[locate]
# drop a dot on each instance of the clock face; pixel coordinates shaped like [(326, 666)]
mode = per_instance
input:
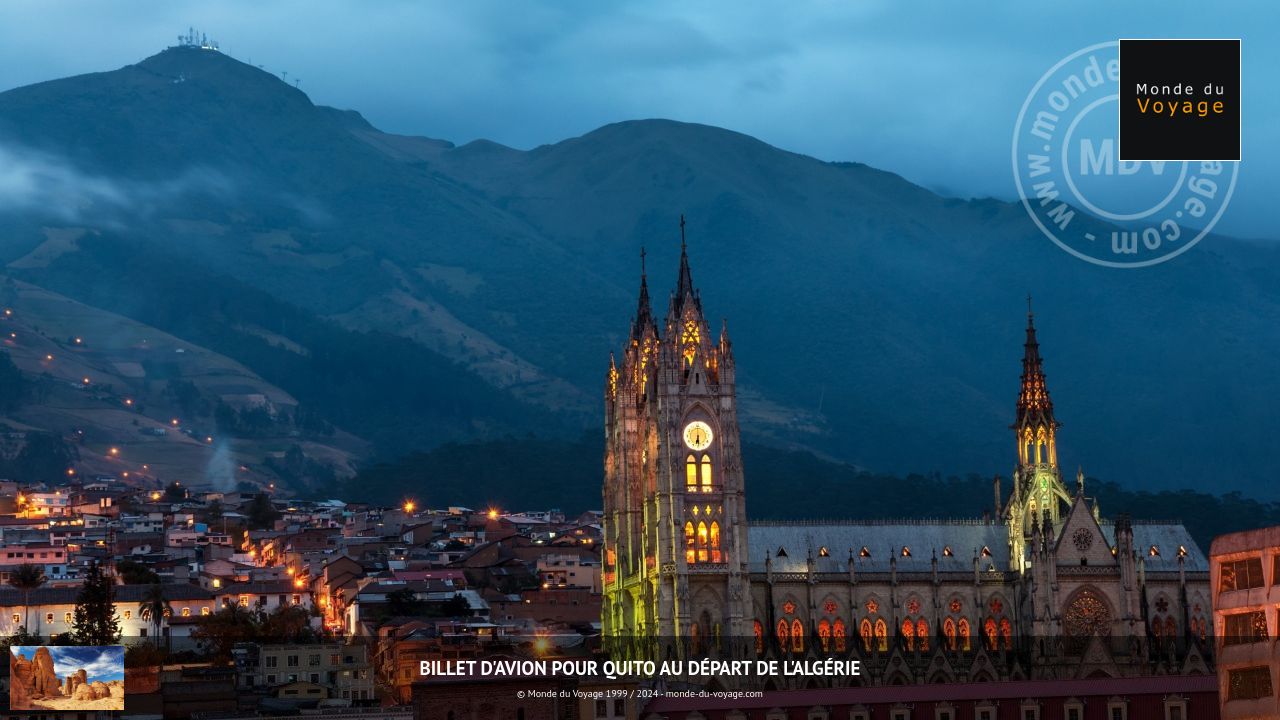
[(697, 435)]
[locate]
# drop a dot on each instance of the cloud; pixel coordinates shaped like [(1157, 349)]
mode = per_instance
[(37, 182)]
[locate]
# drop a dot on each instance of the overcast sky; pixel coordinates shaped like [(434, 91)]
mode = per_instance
[(926, 89)]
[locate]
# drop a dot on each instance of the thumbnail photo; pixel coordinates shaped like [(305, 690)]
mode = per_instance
[(51, 677)]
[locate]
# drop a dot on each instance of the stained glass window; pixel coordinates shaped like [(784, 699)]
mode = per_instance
[(715, 542), (784, 633), (1087, 615), (949, 630), (991, 633), (689, 539), (759, 631), (882, 635), (965, 643), (909, 635), (1006, 632), (864, 631), (691, 474), (837, 631), (797, 636), (824, 635), (702, 542), (706, 473), (830, 607), (922, 635)]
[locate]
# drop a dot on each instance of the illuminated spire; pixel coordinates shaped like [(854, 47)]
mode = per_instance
[(684, 292), (1034, 405)]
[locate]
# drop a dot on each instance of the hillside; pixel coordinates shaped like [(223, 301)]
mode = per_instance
[(142, 405), (874, 322)]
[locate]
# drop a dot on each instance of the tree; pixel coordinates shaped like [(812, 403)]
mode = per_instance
[(155, 609), (214, 511), (219, 632), (94, 621), (287, 624), (27, 577), (135, 573), (262, 514), (173, 493)]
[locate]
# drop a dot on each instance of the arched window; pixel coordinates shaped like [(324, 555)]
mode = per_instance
[(1006, 632), (882, 635), (715, 542), (949, 630), (1170, 628), (909, 634), (695, 642), (797, 636), (991, 633), (965, 643), (837, 630), (702, 542), (691, 473), (824, 635), (784, 634), (922, 635), (706, 473), (689, 550), (864, 631), (759, 631)]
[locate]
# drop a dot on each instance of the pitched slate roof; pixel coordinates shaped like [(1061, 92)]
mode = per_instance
[(882, 540)]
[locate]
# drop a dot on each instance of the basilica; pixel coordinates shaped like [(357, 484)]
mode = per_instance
[(1048, 587)]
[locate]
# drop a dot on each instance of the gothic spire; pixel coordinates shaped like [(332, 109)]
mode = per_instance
[(644, 312), (1034, 404), (684, 292)]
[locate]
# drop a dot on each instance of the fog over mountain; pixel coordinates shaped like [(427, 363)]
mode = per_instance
[(874, 322)]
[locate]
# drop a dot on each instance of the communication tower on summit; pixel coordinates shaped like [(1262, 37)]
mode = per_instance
[(193, 39)]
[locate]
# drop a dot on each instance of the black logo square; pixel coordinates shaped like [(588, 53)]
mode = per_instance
[(1179, 99)]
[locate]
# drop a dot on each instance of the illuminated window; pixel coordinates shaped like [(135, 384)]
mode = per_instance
[(864, 631), (186, 612), (909, 634), (66, 618), (949, 631), (694, 641), (204, 611), (17, 618), (784, 633), (864, 552), (824, 635), (1006, 632), (702, 542), (706, 473), (965, 644), (797, 636), (715, 542), (882, 635), (244, 601), (824, 552), (922, 635), (837, 631), (689, 539), (691, 473), (48, 618), (906, 551), (991, 633), (128, 615), (759, 631)]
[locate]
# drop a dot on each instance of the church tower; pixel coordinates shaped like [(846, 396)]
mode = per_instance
[(1039, 497), (675, 576)]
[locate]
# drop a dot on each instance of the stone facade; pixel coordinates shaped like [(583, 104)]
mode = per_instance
[(1048, 587)]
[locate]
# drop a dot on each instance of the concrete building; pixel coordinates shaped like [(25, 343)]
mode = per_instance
[(1245, 572)]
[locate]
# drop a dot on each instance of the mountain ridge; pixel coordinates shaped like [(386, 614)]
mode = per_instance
[(875, 321)]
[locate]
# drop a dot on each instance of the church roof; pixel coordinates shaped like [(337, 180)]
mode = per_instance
[(882, 540), (1166, 538), (798, 540)]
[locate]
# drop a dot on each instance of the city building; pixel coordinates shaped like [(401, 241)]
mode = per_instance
[(1245, 576)]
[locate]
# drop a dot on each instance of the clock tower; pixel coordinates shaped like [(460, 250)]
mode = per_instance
[(675, 564)]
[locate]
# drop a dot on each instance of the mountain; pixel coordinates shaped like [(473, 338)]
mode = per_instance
[(875, 322)]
